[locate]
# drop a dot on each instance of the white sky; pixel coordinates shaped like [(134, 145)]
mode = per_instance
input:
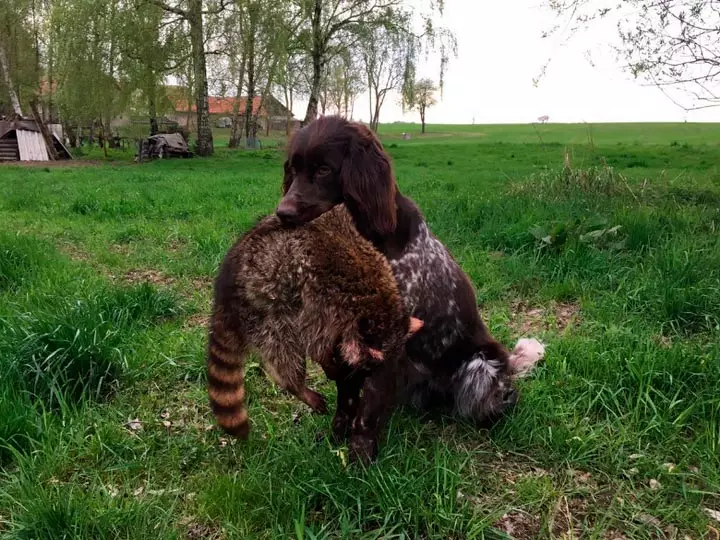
[(500, 51)]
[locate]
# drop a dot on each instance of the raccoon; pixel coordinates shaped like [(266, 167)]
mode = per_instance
[(319, 290)]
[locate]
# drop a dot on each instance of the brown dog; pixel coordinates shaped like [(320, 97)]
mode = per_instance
[(454, 363), (307, 291)]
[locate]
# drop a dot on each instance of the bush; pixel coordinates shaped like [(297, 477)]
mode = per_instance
[(602, 180)]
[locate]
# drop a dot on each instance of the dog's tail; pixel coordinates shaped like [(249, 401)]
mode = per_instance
[(226, 377), (527, 353)]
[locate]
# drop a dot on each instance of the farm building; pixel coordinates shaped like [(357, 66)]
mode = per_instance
[(21, 140), (271, 115)]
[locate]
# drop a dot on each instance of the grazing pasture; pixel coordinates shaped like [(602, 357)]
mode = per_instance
[(601, 240)]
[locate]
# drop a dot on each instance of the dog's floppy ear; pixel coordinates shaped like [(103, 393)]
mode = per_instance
[(287, 177), (368, 184)]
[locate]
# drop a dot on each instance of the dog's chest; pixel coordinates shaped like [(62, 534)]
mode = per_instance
[(428, 278)]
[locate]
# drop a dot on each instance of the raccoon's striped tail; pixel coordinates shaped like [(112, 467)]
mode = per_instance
[(226, 377)]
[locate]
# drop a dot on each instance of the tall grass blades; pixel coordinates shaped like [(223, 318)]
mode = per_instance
[(75, 348), (21, 258)]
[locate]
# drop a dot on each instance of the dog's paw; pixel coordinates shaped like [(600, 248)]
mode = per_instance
[(362, 449)]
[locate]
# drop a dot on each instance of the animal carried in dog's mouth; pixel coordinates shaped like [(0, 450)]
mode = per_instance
[(320, 291)]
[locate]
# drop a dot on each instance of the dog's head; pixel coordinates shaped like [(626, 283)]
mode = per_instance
[(332, 161)]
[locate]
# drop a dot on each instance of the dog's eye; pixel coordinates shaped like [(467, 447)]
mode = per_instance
[(323, 171)]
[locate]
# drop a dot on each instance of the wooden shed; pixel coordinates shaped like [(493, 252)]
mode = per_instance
[(22, 140)]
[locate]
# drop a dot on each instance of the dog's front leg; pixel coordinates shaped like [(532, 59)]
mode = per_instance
[(349, 382), (376, 404)]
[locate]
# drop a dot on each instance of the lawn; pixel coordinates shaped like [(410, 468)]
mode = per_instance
[(600, 240)]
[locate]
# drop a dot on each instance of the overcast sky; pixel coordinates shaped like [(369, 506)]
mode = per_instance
[(501, 51)]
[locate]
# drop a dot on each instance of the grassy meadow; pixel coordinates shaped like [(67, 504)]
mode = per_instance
[(601, 240)]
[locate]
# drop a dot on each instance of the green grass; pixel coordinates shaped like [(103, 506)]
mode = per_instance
[(601, 240)]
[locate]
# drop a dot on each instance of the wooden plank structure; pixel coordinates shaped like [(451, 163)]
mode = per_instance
[(31, 146), (22, 140)]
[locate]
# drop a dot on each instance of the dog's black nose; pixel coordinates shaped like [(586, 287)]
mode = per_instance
[(286, 212)]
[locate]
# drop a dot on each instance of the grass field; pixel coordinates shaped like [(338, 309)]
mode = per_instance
[(601, 240)]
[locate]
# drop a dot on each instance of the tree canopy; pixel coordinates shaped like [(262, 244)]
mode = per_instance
[(96, 60)]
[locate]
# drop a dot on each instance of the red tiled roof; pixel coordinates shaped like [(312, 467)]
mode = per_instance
[(222, 105), (46, 87)]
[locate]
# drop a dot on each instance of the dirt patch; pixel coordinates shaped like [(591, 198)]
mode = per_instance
[(199, 320), (662, 341), (201, 283), (200, 531), (520, 525), (568, 517), (177, 245), (528, 320), (612, 534), (148, 276), (58, 163), (122, 249), (74, 252)]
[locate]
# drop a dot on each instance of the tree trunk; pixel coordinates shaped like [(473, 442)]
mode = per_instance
[(318, 61), (288, 107), (236, 132), (52, 109), (346, 102), (422, 119), (204, 132), (370, 97), (152, 110), (312, 108), (252, 15), (251, 88), (107, 133), (323, 96), (375, 118), (5, 67), (264, 94), (104, 135), (91, 134)]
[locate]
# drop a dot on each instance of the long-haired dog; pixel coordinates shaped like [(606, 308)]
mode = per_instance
[(320, 291), (454, 362)]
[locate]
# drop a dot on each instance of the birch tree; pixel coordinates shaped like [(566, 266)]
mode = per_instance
[(423, 98), (192, 12), (672, 44), (332, 26)]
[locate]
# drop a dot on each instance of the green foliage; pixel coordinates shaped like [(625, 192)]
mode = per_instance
[(602, 180), (593, 232)]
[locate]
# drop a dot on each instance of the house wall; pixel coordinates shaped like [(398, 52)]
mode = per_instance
[(182, 119)]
